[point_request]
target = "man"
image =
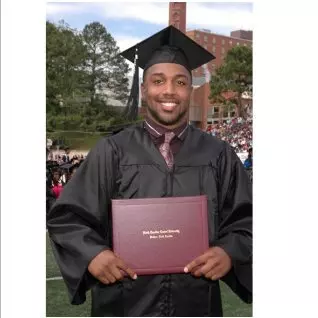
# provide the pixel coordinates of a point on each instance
(66, 156)
(161, 157)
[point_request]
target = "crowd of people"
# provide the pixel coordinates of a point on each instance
(237, 132)
(60, 168)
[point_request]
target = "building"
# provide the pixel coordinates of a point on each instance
(242, 34)
(216, 44)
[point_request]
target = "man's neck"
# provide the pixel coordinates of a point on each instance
(162, 127)
(157, 130)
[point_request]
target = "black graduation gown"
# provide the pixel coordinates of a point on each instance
(128, 165)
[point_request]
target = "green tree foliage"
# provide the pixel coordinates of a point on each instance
(105, 68)
(84, 73)
(234, 77)
(65, 55)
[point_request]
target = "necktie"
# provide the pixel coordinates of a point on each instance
(165, 149)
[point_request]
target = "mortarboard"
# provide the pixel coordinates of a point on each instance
(168, 46)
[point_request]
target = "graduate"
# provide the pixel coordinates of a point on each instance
(161, 157)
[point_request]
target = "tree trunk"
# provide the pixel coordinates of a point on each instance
(240, 110)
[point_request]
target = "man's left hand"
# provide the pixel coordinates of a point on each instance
(213, 264)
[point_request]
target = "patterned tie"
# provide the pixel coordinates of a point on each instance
(166, 150)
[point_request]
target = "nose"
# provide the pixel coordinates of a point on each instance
(169, 88)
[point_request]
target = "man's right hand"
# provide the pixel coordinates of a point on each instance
(106, 267)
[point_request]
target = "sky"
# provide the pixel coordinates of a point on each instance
(132, 22)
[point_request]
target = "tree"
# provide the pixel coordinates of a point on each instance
(65, 54)
(106, 69)
(84, 70)
(233, 78)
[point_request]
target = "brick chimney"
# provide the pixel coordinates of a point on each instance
(177, 15)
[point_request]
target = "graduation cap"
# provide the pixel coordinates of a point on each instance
(168, 46)
(66, 166)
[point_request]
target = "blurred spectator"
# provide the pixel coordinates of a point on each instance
(66, 156)
(248, 163)
(237, 132)
(73, 170)
(57, 183)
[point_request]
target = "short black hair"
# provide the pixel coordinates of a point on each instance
(58, 170)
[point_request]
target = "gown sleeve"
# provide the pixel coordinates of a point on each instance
(79, 221)
(235, 222)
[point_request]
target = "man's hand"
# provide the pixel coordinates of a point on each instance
(213, 264)
(106, 267)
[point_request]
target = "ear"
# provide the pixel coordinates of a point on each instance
(143, 91)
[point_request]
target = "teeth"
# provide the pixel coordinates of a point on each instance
(169, 104)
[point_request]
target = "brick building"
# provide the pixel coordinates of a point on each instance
(217, 44)
(242, 34)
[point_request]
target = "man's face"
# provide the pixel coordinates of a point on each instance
(167, 90)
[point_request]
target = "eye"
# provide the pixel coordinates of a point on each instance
(157, 81)
(181, 83)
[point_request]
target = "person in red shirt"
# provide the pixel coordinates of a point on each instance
(57, 184)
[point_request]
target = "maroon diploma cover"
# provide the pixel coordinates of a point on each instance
(161, 235)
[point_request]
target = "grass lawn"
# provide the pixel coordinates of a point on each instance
(78, 140)
(52, 269)
(57, 302)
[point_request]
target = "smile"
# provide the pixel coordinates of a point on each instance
(168, 105)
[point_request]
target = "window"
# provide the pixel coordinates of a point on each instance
(223, 42)
(213, 41)
(205, 38)
(197, 35)
(233, 114)
(223, 50)
(215, 109)
(213, 48)
(244, 44)
(230, 42)
(237, 43)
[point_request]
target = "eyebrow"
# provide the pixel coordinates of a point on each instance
(162, 74)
